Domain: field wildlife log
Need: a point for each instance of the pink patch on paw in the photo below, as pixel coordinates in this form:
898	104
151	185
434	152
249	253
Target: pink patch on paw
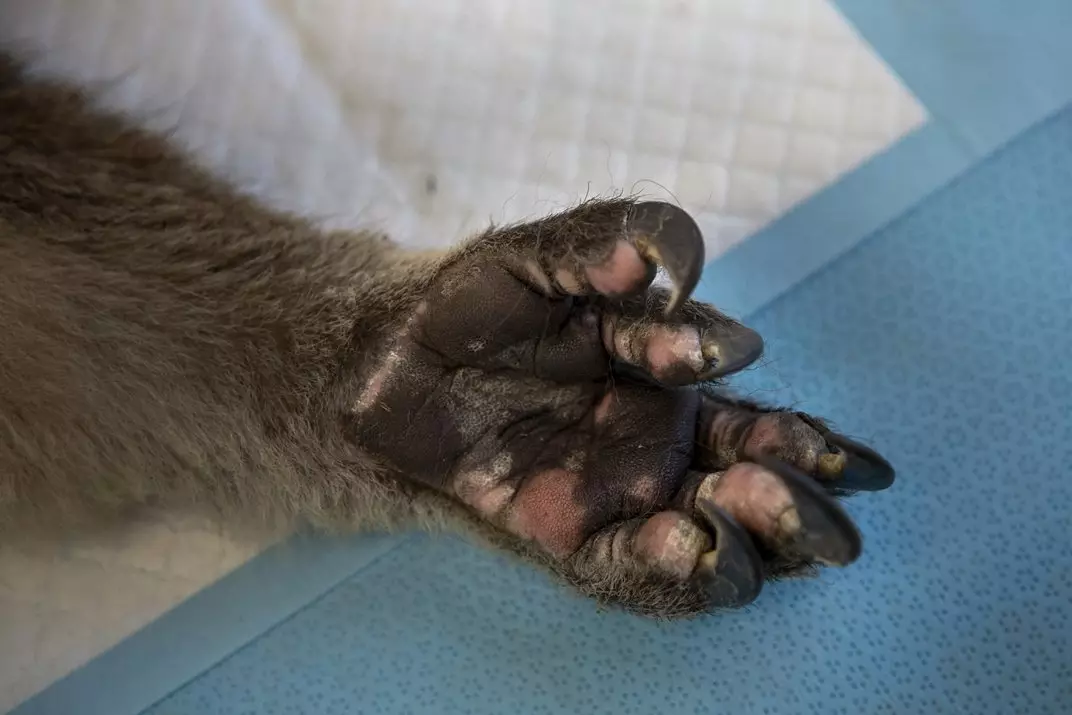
538	276
768	433
784	434
546	511
645	490
753	496
671	542
568	282
603	408
669	348
378	381
485	490
492	501
623	272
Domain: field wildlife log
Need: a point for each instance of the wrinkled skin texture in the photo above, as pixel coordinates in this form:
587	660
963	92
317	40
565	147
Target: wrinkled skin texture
171	343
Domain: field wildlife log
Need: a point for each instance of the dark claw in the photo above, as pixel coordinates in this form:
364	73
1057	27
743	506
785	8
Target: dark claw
667	236
826	532
732	573
730	349
865	469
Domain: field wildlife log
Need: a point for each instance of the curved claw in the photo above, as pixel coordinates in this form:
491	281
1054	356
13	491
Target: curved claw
865	469
825	532
732	573
862	469
729	349
669	237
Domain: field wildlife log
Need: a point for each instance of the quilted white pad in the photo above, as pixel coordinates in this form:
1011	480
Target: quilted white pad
429	118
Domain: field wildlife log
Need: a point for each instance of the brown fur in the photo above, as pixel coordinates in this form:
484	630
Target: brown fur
166	340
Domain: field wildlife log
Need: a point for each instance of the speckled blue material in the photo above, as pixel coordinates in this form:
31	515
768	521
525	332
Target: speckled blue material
945	340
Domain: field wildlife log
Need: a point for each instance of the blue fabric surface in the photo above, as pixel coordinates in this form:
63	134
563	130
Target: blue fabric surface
985	69
944	339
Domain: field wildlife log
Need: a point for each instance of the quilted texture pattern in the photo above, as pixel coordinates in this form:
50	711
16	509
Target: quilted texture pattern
465	111
940	340
62	606
431	117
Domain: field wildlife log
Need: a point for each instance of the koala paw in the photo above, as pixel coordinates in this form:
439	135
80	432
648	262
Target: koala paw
547	384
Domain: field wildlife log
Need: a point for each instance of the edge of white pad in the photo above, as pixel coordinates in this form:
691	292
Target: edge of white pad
815	233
